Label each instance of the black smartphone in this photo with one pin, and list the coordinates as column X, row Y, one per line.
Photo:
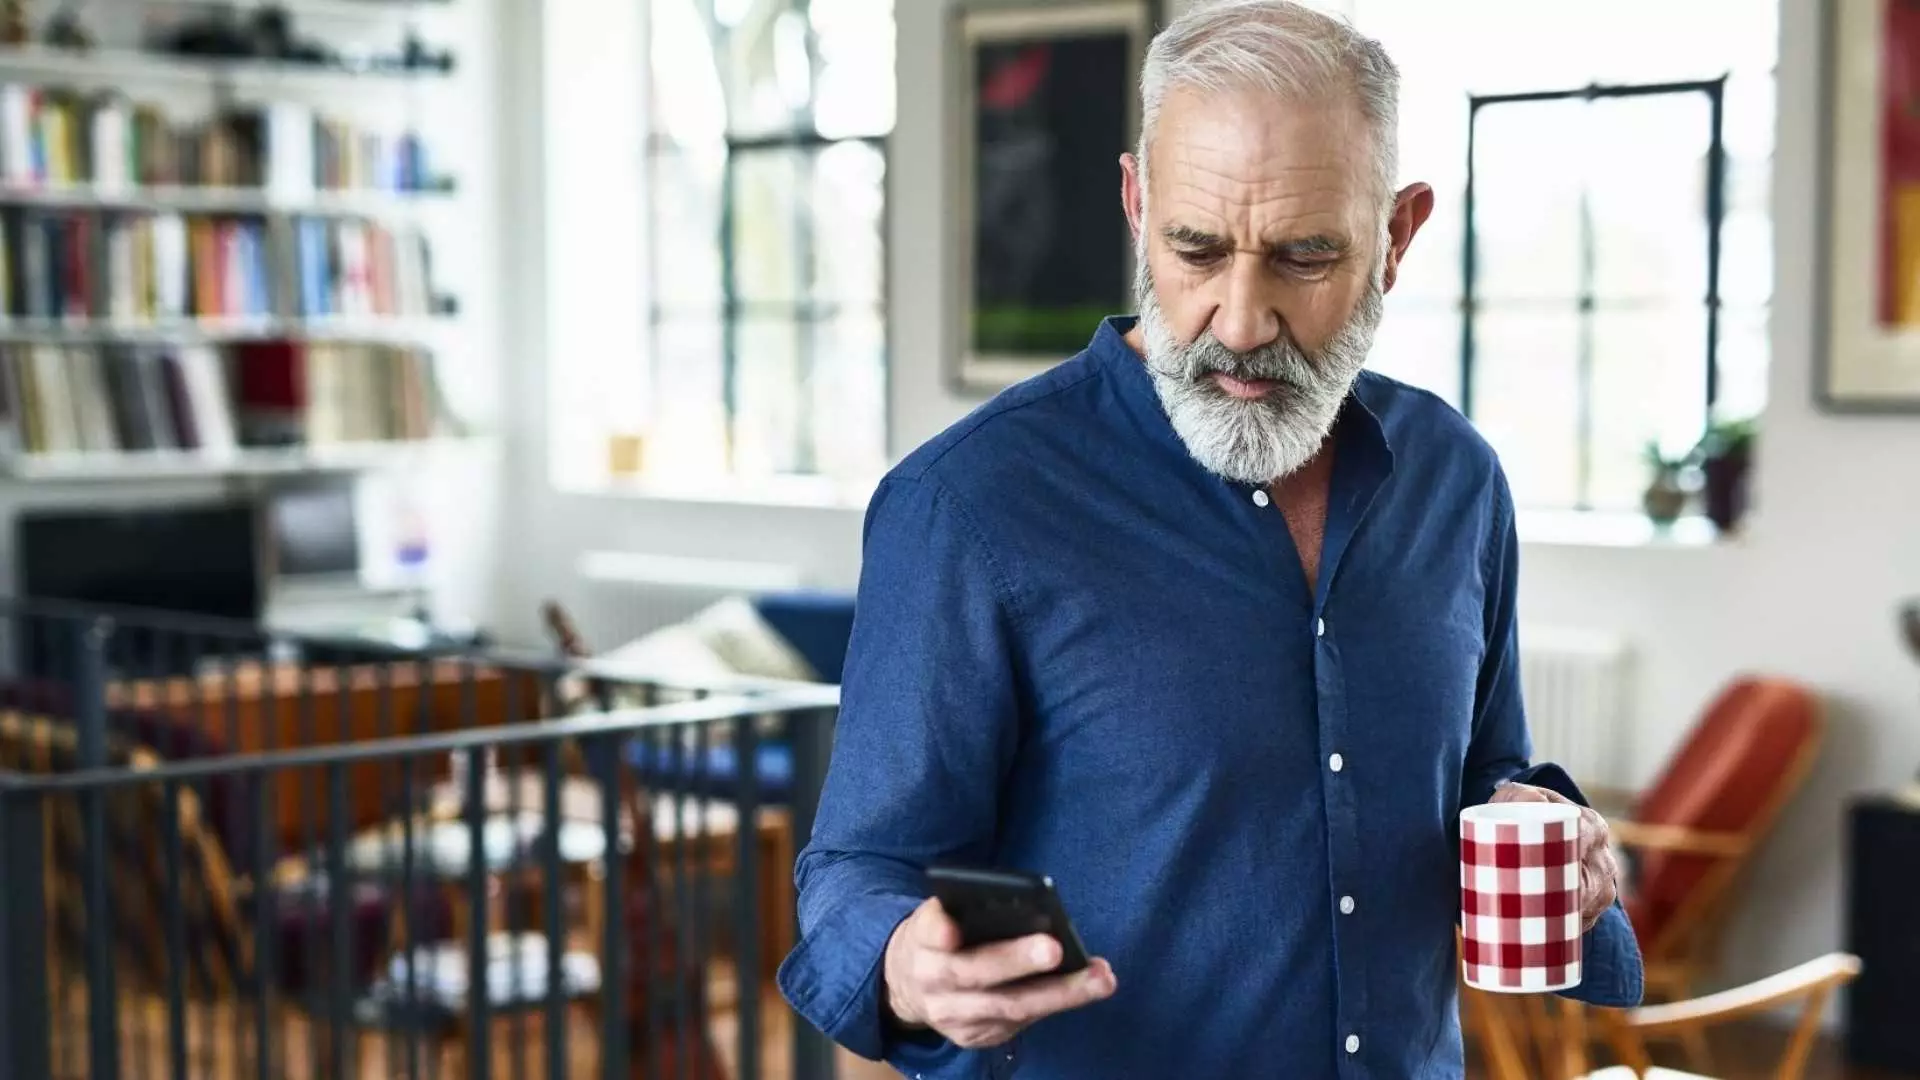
column 997, row 905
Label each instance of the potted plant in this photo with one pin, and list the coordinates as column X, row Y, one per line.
column 1666, row 494
column 1725, row 454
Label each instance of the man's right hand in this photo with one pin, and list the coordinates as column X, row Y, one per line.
column 931, row 982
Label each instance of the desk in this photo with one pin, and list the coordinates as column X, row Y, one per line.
column 257, row 707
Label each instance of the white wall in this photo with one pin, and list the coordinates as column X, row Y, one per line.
column 1809, row 593
column 549, row 530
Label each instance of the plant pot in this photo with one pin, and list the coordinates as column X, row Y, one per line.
column 1725, row 489
column 1665, row 500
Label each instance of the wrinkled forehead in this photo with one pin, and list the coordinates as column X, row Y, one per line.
column 1235, row 156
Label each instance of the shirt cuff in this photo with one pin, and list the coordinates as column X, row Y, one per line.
column 833, row 978
column 1612, row 973
column 1553, row 778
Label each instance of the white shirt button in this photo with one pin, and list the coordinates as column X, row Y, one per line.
column 1336, row 763
column 1319, row 628
column 1346, row 905
column 1260, row 497
column 1353, row 1044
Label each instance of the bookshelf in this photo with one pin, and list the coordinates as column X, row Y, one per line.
column 133, row 67
column 235, row 331
column 97, row 468
column 215, row 267
column 210, row 199
column 352, row 9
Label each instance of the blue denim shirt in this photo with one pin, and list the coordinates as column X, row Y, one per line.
column 1077, row 652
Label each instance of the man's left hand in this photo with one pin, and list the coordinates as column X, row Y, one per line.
column 1599, row 871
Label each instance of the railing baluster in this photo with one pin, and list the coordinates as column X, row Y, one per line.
column 698, row 795
column 139, row 651
column 479, row 987
column 26, row 1014
column 556, row 1012
column 215, row 814
column 339, row 894
column 311, row 791
column 652, row 957
column 746, row 892
column 687, row 955
column 518, row 770
column 410, row 1011
column 603, row 751
column 90, row 690
column 175, row 931
column 266, row 942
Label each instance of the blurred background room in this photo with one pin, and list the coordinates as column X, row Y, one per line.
column 429, row 426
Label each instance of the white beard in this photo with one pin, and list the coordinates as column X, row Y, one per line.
column 1262, row 440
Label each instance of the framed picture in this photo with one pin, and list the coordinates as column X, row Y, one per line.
column 1869, row 283
column 1046, row 99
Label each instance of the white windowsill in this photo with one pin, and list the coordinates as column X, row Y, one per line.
column 1593, row 528
column 1559, row 528
column 794, row 491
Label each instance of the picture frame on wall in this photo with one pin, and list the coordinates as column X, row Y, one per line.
column 1868, row 287
column 1045, row 99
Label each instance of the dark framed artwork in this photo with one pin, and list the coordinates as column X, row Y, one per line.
column 1869, row 284
column 1045, row 100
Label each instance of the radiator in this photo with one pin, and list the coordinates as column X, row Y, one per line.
column 622, row 595
column 1576, row 684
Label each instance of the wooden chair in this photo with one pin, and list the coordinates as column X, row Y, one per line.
column 1809, row 986
column 1628, row 1031
column 1692, row 832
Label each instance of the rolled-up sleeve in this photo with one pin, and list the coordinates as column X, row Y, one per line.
column 1612, row 972
column 927, row 729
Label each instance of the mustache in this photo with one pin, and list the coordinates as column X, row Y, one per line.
column 1279, row 362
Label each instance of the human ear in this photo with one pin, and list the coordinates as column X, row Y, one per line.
column 1411, row 208
column 1133, row 189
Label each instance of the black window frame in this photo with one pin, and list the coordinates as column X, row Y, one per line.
column 1585, row 301
column 804, row 140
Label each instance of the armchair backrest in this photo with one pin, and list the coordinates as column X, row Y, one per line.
column 1737, row 768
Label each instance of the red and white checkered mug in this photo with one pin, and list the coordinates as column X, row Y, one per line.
column 1520, row 897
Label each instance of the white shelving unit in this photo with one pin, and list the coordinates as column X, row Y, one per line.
column 390, row 331
column 346, row 9
column 227, row 200
column 275, row 461
column 174, row 78
column 125, row 67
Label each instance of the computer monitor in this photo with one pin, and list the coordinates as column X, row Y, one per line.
column 313, row 533
column 192, row 560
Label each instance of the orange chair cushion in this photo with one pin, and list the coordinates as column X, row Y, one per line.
column 1725, row 776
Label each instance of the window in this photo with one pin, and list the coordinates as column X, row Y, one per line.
column 1582, row 205
column 744, row 258
column 1595, row 290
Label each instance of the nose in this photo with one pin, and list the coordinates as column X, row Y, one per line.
column 1246, row 318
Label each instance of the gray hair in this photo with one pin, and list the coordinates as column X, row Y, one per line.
column 1281, row 47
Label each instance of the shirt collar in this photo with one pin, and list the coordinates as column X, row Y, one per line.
column 1359, row 432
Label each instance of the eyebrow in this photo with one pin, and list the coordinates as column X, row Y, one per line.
column 1309, row 247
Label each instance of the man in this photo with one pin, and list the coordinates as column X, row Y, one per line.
column 1207, row 624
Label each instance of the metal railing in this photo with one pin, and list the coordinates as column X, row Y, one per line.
column 225, row 854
